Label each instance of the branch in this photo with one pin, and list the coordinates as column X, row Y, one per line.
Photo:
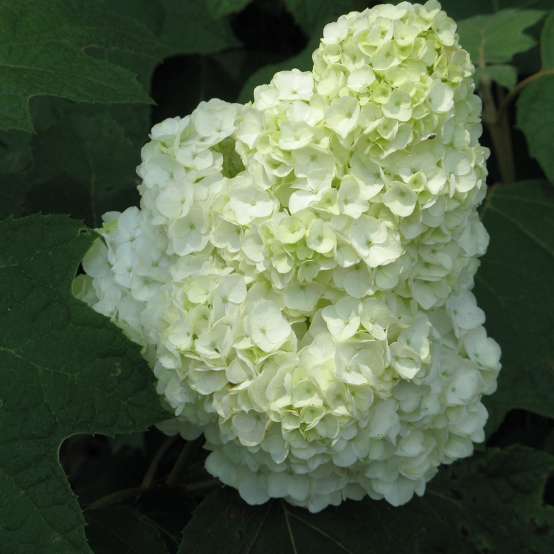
column 519, row 87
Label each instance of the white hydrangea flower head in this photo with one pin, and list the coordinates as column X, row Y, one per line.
column 299, row 272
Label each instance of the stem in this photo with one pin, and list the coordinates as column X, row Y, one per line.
column 181, row 462
column 136, row 492
column 505, row 130
column 202, row 485
column 519, row 87
column 498, row 123
column 499, row 131
column 498, row 127
column 115, row 497
column 153, row 467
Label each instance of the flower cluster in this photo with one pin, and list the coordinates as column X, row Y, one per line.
column 299, row 272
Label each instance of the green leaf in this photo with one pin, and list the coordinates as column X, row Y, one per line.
column 125, row 531
column 505, row 75
column 460, row 10
column 15, row 163
column 75, row 168
column 514, row 288
column 492, row 502
column 221, row 8
column 312, row 15
column 149, row 13
column 535, row 117
column 134, row 441
column 547, row 42
column 46, row 50
column 535, row 112
column 64, row 370
column 190, row 28
column 498, row 37
column 302, row 61
column 535, row 4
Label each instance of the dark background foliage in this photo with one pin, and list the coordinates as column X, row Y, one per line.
column 81, row 83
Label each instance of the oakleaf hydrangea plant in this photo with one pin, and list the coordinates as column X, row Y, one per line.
column 299, row 272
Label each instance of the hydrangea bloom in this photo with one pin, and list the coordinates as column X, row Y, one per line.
column 299, row 272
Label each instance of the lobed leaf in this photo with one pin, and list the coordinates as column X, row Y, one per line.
column 513, row 288
column 125, row 531
column 312, row 15
column 64, row 370
column 503, row 74
column 492, row 502
column 46, row 50
column 496, row 38
column 221, row 8
column 535, row 117
column 16, row 162
column 75, row 169
column 547, row 42
column 190, row 28
column 535, row 111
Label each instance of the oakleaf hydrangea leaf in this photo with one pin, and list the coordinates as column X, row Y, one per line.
column 46, row 51
column 65, row 370
column 503, row 74
column 498, row 37
column 547, row 42
column 16, row 161
column 221, row 8
column 506, row 485
column 535, row 111
column 149, row 13
column 461, row 10
column 191, row 28
column 122, row 529
column 74, row 157
column 514, row 288
column 497, row 5
column 535, row 117
column 311, row 15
